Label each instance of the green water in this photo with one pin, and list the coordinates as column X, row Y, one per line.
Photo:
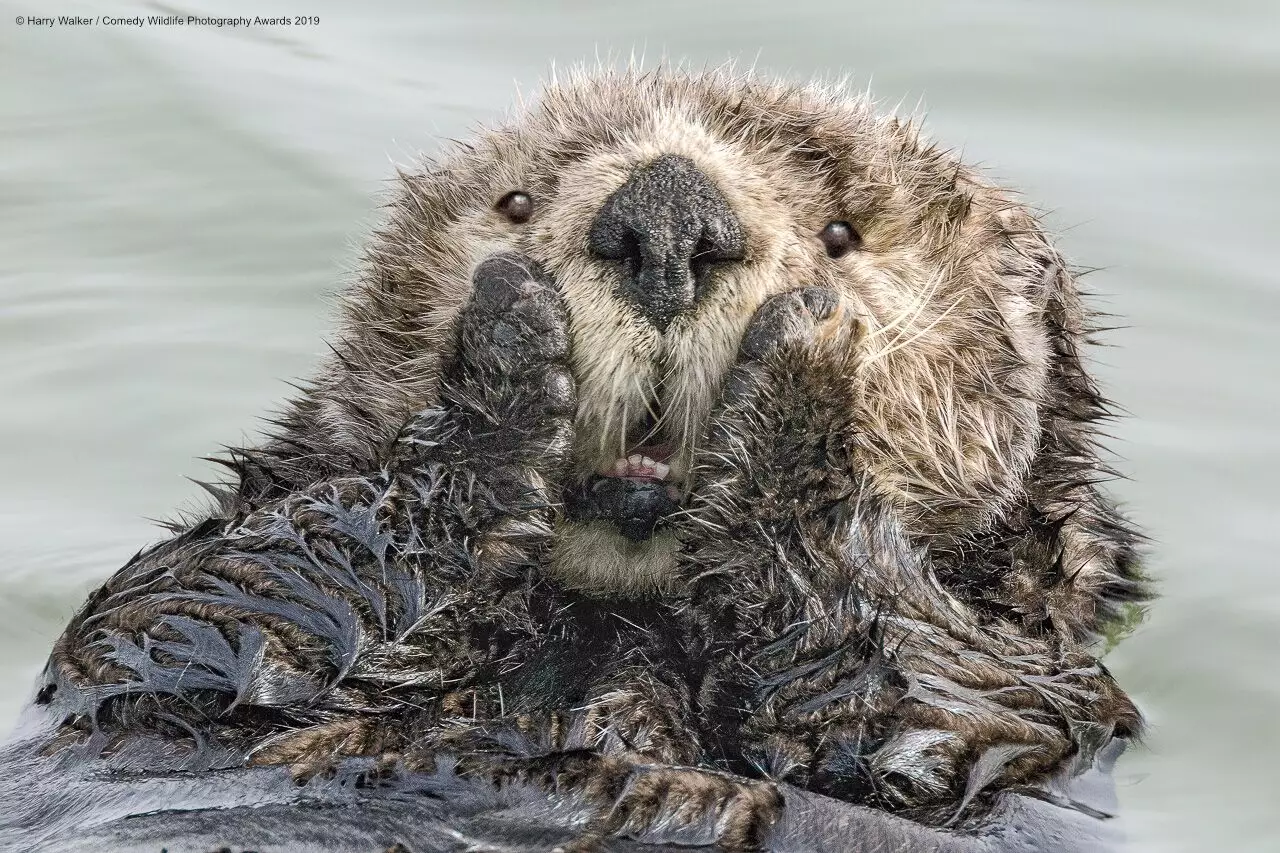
column 177, row 205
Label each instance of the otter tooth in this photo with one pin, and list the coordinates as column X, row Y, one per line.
column 636, row 459
column 660, row 469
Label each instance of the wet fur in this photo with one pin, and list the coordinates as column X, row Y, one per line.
column 895, row 551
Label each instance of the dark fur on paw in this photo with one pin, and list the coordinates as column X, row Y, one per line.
column 781, row 442
column 788, row 319
column 791, row 332
column 509, row 383
column 516, row 320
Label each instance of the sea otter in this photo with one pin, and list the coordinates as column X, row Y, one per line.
column 692, row 445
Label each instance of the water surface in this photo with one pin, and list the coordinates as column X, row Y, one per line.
column 178, row 205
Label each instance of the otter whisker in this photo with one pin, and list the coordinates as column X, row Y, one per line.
column 895, row 346
column 909, row 314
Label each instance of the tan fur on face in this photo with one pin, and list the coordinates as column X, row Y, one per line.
column 953, row 282
column 622, row 363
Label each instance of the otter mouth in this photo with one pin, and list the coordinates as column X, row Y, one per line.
column 635, row 491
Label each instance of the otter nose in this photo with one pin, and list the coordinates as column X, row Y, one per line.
column 668, row 225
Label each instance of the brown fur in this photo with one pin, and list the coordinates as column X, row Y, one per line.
column 894, row 552
column 972, row 371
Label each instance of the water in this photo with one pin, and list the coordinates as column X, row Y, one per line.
column 177, row 205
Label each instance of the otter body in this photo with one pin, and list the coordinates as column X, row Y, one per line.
column 696, row 448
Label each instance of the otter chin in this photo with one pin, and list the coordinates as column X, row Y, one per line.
column 615, row 539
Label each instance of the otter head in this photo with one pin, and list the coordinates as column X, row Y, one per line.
column 668, row 208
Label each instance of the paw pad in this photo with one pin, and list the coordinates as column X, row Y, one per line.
column 788, row 319
column 515, row 319
column 502, row 279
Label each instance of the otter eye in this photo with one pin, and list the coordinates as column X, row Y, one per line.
column 839, row 238
column 516, row 206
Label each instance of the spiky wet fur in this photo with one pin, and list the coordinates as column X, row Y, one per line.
column 895, row 551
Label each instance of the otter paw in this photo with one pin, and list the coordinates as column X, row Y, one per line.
column 688, row 806
column 359, row 772
column 779, row 446
column 516, row 322
column 790, row 319
column 509, row 384
column 787, row 332
column 652, row 803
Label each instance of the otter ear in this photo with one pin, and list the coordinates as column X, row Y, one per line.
column 1082, row 555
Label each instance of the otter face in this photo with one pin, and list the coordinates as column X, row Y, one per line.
column 668, row 208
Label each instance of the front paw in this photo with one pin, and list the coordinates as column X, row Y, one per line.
column 516, row 321
column 785, row 428
column 486, row 463
column 806, row 333
column 508, row 383
column 514, row 336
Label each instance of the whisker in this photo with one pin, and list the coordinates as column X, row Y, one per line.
column 908, row 315
column 894, row 347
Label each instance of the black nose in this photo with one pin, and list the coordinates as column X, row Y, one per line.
column 668, row 225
